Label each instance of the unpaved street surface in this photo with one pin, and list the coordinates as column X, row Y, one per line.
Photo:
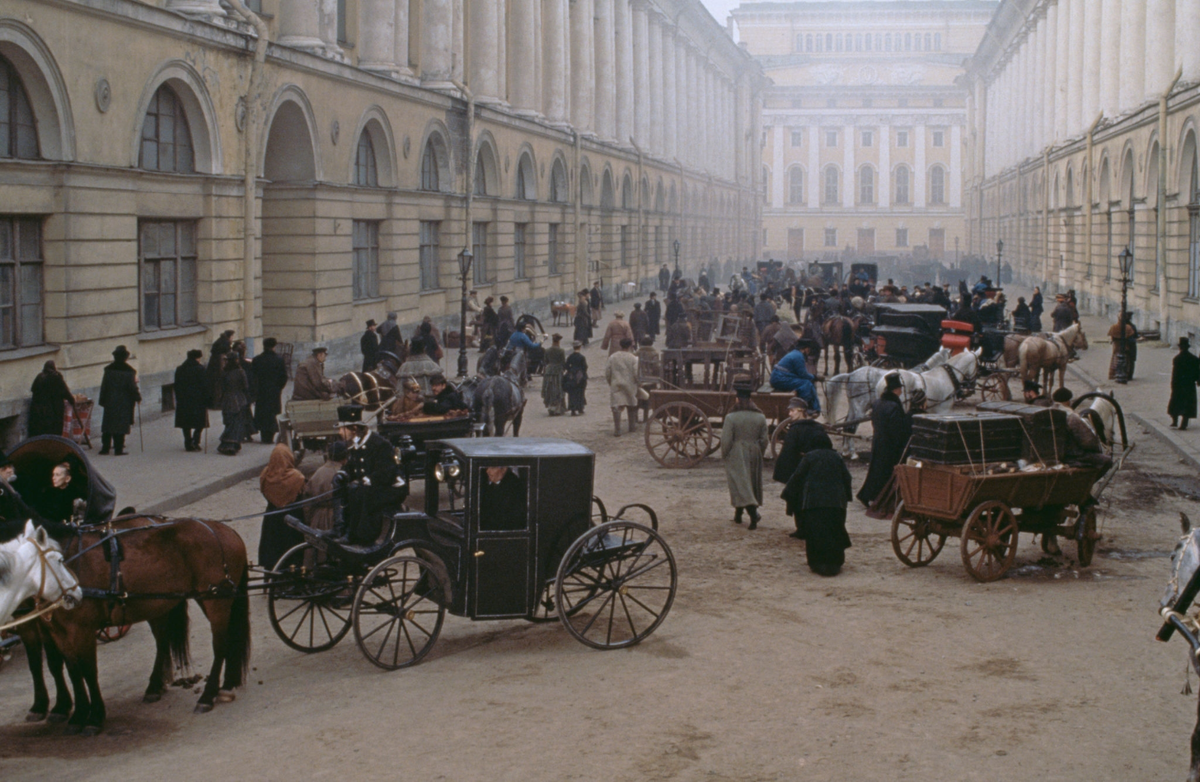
column 762, row 671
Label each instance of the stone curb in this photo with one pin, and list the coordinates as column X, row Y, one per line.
column 199, row 492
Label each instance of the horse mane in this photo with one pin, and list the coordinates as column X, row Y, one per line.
column 6, row 567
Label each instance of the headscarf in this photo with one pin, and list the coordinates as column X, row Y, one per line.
column 281, row 483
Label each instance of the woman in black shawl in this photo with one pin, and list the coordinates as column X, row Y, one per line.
column 817, row 495
column 50, row 396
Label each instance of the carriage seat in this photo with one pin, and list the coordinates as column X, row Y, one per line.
column 956, row 335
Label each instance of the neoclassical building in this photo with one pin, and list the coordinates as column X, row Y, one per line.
column 864, row 124
column 1082, row 142
column 167, row 177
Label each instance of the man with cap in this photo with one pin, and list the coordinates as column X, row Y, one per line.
column 270, row 376
column 1083, row 448
column 791, row 374
column 802, row 432
column 191, row 399
column 374, row 483
column 744, row 438
column 892, row 427
column 1063, row 315
column 446, row 399
column 368, row 344
column 653, row 311
column 1185, row 374
column 309, row 381
column 1032, row 391
column 618, row 330
column 119, row 396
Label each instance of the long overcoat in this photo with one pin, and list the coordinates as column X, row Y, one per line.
column 1185, row 373
column 743, row 440
column 621, row 374
column 50, row 396
column 891, row 428
column 270, row 376
column 191, row 395
column 118, row 396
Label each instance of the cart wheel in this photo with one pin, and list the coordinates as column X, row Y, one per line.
column 994, row 388
column 398, row 612
column 777, row 440
column 615, row 585
column 989, row 541
column 1086, row 536
column 308, row 603
column 678, row 434
column 107, row 635
column 913, row 539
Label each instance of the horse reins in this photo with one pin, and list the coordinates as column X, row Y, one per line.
column 40, row 609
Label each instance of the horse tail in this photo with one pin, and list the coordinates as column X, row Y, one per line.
column 177, row 635
column 237, row 654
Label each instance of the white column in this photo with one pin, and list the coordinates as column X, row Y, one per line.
column 1074, row 70
column 706, row 123
column 555, row 72
column 327, row 13
column 919, row 173
column 1091, row 61
column 606, row 77
column 1110, row 57
column 437, row 42
column 196, row 7
column 400, row 54
column 884, row 184
column 812, row 137
column 523, row 88
column 458, row 42
column 778, row 172
column 1159, row 47
column 654, row 44
column 502, row 50
column 1187, row 22
column 583, row 77
column 848, row 172
column 691, row 100
column 299, row 24
column 1043, row 76
column 956, row 173
column 641, row 75
column 1133, row 53
column 1024, row 57
column 483, row 52
column 1053, row 93
column 623, row 26
column 670, row 130
column 683, row 125
column 377, row 36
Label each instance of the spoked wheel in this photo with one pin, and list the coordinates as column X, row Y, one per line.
column 398, row 612
column 308, row 602
column 678, row 434
column 994, row 388
column 914, row 540
column 1086, row 536
column 777, row 437
column 107, row 635
column 615, row 585
column 989, row 541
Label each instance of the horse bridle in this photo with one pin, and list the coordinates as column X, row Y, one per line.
column 41, row 607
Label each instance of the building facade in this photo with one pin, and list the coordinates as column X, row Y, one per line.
column 163, row 183
column 864, row 122
column 1082, row 142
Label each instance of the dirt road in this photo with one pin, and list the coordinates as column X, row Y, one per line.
column 763, row 671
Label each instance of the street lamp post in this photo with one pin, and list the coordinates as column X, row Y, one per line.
column 676, row 247
column 1122, row 373
column 464, row 267
column 999, row 252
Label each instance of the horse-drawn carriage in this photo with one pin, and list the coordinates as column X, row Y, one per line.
column 904, row 335
column 499, row 538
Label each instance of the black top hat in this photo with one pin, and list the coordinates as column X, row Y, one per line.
column 1184, row 343
column 120, row 353
column 892, row 382
column 350, row 414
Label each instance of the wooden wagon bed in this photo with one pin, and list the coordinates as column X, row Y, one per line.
column 682, row 429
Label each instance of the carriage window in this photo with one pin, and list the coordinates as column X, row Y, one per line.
column 503, row 498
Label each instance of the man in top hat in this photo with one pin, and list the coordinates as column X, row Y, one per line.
column 1185, row 374
column 744, row 438
column 891, row 427
column 310, row 381
column 368, row 344
column 191, row 399
column 374, row 483
column 270, row 377
column 119, row 396
column 216, row 366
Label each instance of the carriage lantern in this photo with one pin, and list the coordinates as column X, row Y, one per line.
column 464, row 267
column 1126, row 260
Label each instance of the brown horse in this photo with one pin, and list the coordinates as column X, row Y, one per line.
column 1045, row 354
column 838, row 333
column 161, row 564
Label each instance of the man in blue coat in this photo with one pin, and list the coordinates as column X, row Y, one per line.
column 791, row 374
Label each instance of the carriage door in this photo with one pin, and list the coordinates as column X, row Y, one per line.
column 500, row 562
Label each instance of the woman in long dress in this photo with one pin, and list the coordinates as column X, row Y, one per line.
column 281, row 484
column 744, row 438
column 50, row 397
column 817, row 495
column 575, row 380
column 552, row 377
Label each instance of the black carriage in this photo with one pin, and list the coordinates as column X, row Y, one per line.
column 410, row 438
column 905, row 335
column 830, row 273
column 506, row 533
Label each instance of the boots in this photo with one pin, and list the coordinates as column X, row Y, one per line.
column 737, row 516
column 632, row 417
column 616, row 422
column 754, row 517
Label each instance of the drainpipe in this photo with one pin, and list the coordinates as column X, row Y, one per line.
column 1160, row 219
column 250, row 163
column 641, row 216
column 1087, row 197
column 580, row 241
column 1045, row 216
column 470, row 186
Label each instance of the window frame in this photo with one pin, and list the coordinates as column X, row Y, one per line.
column 179, row 260
column 366, row 167
column 18, row 130
column 13, row 315
column 364, row 252
column 795, row 188
column 520, row 250
column 797, row 137
column 429, row 239
column 902, row 237
column 866, row 186
column 937, row 189
column 938, row 138
column 430, row 173
column 831, row 139
column 831, row 186
column 178, row 122
column 902, row 198
column 831, row 237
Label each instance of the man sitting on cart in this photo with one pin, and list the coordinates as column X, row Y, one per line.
column 1083, row 447
column 374, row 485
column 447, row 401
column 791, row 374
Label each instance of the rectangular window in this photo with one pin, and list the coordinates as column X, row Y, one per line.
column 902, row 237
column 167, row 261
column 429, row 250
column 21, row 293
column 902, row 138
column 366, row 259
column 479, row 248
column 831, row 138
column 831, row 237
column 1193, row 251
column 341, row 22
column 624, row 245
column 552, row 248
column 867, row 138
column 797, row 138
column 519, row 238
column 939, row 138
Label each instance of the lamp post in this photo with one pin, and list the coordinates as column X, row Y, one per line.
column 999, row 252
column 464, row 267
column 1122, row 373
column 676, row 247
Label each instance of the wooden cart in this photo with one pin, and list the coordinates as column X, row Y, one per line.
column 988, row 511
column 309, row 424
column 683, row 427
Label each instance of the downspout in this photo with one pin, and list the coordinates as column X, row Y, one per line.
column 469, row 218
column 1160, row 219
column 1089, row 186
column 250, row 163
column 1045, row 216
column 641, row 217
column 580, row 242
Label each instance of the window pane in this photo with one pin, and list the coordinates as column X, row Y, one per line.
column 187, row 239
column 166, row 240
column 6, row 240
column 187, row 291
column 149, row 154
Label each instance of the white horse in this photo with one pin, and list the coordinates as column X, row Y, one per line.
column 1185, row 560
column 31, row 565
column 940, row 384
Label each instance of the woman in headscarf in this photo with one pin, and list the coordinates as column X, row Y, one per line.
column 50, row 397
column 281, row 484
column 816, row 496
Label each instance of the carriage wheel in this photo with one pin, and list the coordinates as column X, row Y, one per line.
column 913, row 538
column 776, row 443
column 989, row 541
column 308, row 602
column 107, row 635
column 615, row 585
column 1086, row 536
column 679, row 434
column 398, row 612
column 994, row 388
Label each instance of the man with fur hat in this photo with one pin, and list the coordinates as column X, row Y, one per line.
column 891, row 427
column 1185, row 374
column 119, row 396
column 1032, row 391
column 374, row 485
column 309, row 381
column 191, row 399
column 270, row 376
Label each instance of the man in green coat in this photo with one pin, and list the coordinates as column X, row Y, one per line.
column 744, row 438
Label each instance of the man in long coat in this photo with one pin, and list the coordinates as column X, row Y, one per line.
column 270, row 376
column 891, row 427
column 638, row 323
column 1063, row 315
column 664, row 277
column 368, row 344
column 50, row 396
column 744, row 438
column 621, row 374
column 575, row 378
column 1185, row 374
column 118, row 396
column 653, row 315
column 817, row 495
column 191, row 399
column 618, row 330
column 374, row 471
column 310, row 381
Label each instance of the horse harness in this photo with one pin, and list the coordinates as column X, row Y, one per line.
column 40, row 605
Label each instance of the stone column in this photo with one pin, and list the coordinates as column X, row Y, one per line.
column 606, row 77
column 203, row 8
column 778, row 169
column 523, row 88
column 670, row 101
column 1091, row 62
column 654, row 43
column 400, row 55
column 688, row 139
column 1062, row 51
column 919, row 173
column 1025, row 103
column 299, row 24
column 327, row 12
column 1049, row 75
column 1074, row 71
column 956, row 172
column 884, row 185
column 377, row 36
column 583, row 74
column 437, row 43
column 849, row 178
column 706, row 121
column 623, row 39
column 1110, row 57
column 1043, row 76
column 1133, row 53
column 1187, row 22
column 555, row 73
column 483, row 51
column 458, row 41
column 641, row 75
column 1159, row 47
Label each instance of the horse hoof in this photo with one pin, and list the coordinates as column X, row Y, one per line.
column 35, row 716
column 73, row 729
column 203, row 708
column 152, row 697
column 226, row 696
column 91, row 730
column 56, row 717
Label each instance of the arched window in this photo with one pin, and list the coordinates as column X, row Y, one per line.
column 1070, row 188
column 867, row 42
column 365, row 172
column 878, row 42
column 586, row 195
column 796, row 186
column 937, row 185
column 937, row 42
column 829, row 42
column 887, row 42
column 866, row 185
column 838, row 41
column 917, row 42
column 928, row 42
column 908, row 42
column 820, row 43
column 831, row 185
column 429, row 167
column 18, row 132
column 627, row 193
column 558, row 182
column 902, row 196
column 166, row 140
column 1193, row 184
column 858, row 42
column 481, row 178
column 808, row 43
column 526, row 180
